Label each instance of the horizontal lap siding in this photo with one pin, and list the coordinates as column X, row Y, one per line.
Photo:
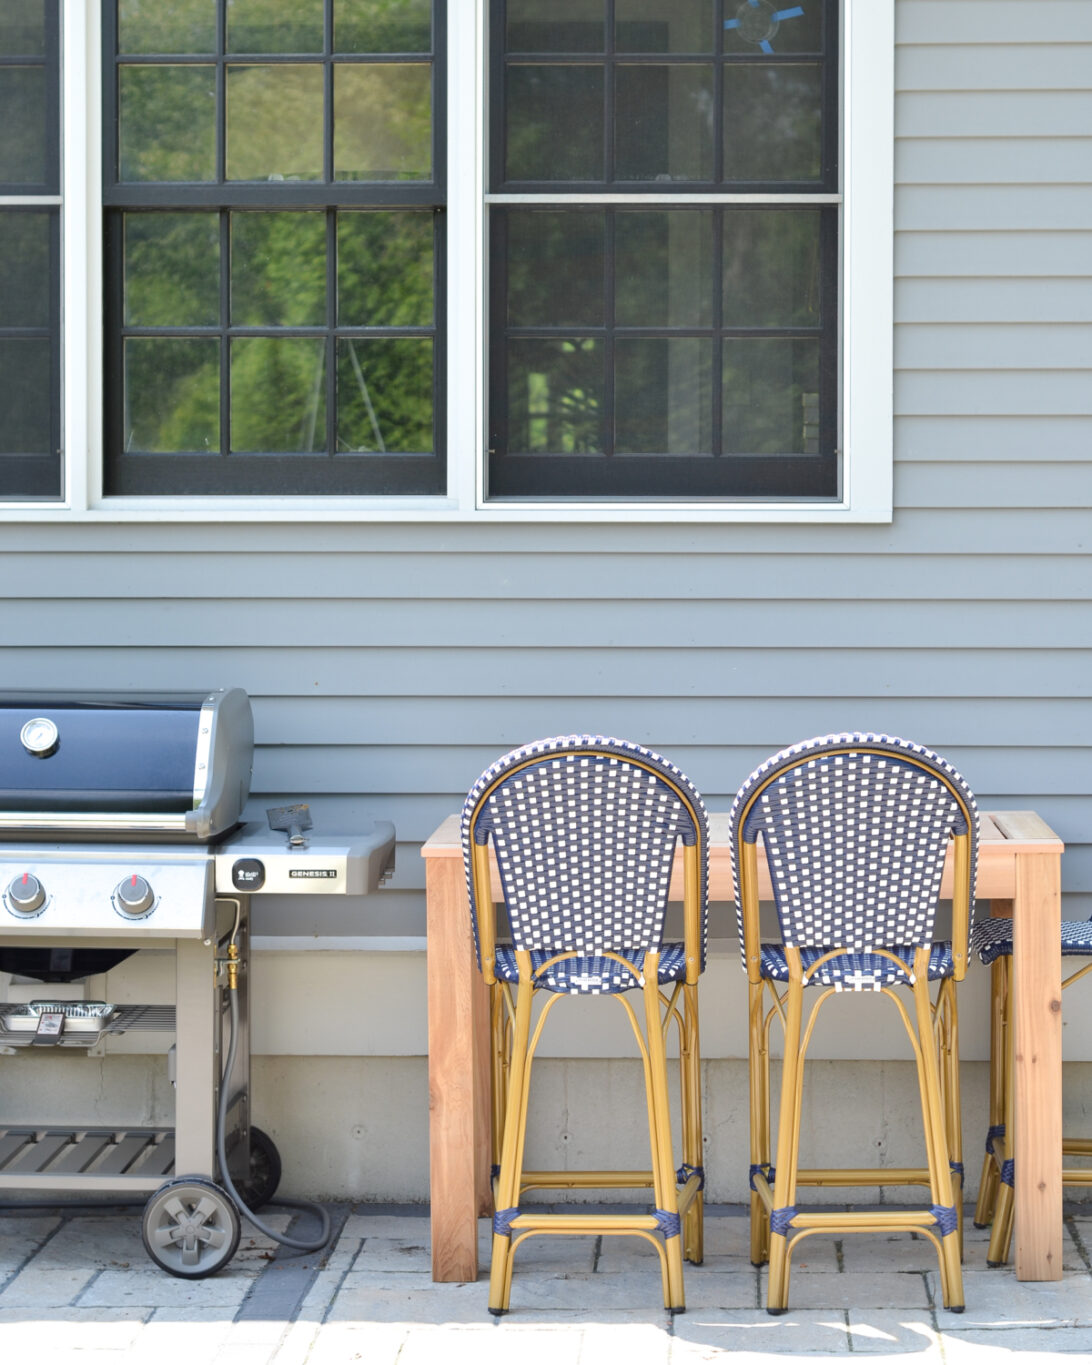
column 389, row 664
column 993, row 347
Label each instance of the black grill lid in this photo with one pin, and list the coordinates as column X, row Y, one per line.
column 159, row 763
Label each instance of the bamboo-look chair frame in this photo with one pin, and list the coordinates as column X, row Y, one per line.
column 515, row 1036
column 996, row 1189
column 933, row 1034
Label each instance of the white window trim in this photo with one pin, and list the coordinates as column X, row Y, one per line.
column 867, row 311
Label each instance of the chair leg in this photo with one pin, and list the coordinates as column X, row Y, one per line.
column 499, row 1022
column 506, row 1186
column 692, row 1147
column 988, row 1185
column 758, row 1053
column 997, row 1253
column 951, row 1096
column 788, row 1146
column 663, row 1172
column 936, row 1143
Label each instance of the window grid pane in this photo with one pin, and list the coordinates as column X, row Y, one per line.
column 30, row 336
column 30, row 99
column 31, row 467
column 695, row 337
column 274, row 278
column 713, row 328
column 267, row 307
column 282, row 115
column 670, row 99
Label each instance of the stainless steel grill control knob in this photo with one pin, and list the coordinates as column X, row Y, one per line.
column 25, row 894
column 134, row 896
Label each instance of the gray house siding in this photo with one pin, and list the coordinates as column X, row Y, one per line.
column 389, row 663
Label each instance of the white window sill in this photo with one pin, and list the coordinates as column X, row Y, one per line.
column 305, row 510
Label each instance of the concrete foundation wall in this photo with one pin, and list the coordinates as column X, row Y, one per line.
column 340, row 1076
column 357, row 1128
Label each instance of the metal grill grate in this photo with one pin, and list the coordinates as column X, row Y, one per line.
column 150, row 1018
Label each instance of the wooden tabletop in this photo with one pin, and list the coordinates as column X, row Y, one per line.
column 1001, row 836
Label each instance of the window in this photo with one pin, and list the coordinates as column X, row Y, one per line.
column 400, row 260
column 274, row 247
column 675, row 335
column 30, row 455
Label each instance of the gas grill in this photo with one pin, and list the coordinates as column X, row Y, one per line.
column 121, row 829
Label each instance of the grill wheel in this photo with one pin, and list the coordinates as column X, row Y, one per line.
column 265, row 1170
column 190, row 1228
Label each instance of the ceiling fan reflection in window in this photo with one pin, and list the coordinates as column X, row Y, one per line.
column 758, row 22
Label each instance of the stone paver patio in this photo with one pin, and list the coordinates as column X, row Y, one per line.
column 76, row 1285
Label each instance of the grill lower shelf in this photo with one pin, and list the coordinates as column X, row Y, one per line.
column 128, row 1019
column 81, row 1159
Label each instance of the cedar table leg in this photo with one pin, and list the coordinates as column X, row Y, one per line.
column 458, row 1071
column 1037, row 1022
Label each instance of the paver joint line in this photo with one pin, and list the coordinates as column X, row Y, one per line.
column 31, row 1253
column 279, row 1264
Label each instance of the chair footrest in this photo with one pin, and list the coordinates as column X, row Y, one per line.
column 586, row 1223
column 894, row 1220
column 888, row 1175
column 586, row 1180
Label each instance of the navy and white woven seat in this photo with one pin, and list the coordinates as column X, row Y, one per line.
column 589, row 975
column 992, row 940
column 858, row 971
column 584, row 831
column 855, row 829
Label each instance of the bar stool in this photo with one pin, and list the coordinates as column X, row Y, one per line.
column 584, row 830
column 856, row 828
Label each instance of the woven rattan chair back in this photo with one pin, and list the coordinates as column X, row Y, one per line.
column 584, row 829
column 856, row 829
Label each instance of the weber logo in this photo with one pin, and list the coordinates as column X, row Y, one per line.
column 325, row 873
column 248, row 874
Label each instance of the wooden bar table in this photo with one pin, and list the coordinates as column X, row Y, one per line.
column 1019, row 874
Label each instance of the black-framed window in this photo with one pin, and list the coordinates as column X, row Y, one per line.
column 647, row 347
column 30, row 432
column 274, row 247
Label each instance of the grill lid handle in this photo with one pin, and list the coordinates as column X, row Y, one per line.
column 293, row 820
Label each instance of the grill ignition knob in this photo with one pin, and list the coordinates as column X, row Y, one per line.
column 133, row 896
column 26, row 894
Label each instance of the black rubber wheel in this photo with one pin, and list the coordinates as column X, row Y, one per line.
column 265, row 1171
column 190, row 1227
